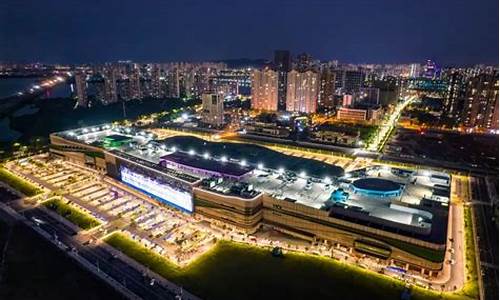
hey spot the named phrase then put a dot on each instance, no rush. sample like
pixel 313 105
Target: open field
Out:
pixel 18 184
pixel 73 215
pixel 238 271
pixel 366 131
pixel 460 149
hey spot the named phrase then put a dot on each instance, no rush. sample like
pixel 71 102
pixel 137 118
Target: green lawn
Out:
pixel 18 183
pixel 367 132
pixel 430 254
pixel 73 215
pixel 471 288
pixel 238 271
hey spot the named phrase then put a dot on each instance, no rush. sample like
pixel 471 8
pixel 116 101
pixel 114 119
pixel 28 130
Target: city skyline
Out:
pixel 398 32
pixel 265 149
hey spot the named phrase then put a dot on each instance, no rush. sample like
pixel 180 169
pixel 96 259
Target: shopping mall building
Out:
pixel 399 216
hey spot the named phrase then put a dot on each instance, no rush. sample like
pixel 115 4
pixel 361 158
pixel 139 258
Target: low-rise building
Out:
pixel 335 135
pixel 359 113
pixel 268 129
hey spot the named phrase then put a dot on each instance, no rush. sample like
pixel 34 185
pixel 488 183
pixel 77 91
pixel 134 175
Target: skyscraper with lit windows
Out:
pixel 282 67
pixel 135 89
pixel 326 89
pixel 81 89
pixel 212 109
pixel 302 91
pixel 481 102
pixel 110 91
pixel 265 90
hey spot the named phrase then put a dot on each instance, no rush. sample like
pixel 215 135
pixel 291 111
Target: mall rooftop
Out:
pixel 401 200
pixel 206 165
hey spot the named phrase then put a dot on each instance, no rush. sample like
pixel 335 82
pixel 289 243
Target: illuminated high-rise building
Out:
pixel 302 91
pixel 135 91
pixel 481 102
pixel 353 80
pixel 81 89
pixel 212 109
pixel 348 80
pixel 265 90
pixel 415 70
pixel 304 62
pixel 454 99
pixel 189 84
pixel 234 82
pixel 156 82
pixel 431 70
pixel 326 89
pixel 282 66
pixel 110 91
pixel 173 89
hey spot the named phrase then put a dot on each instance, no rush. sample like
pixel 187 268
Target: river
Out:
pixel 11 86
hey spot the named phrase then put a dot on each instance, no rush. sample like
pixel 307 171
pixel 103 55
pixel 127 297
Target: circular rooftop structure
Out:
pixel 377 187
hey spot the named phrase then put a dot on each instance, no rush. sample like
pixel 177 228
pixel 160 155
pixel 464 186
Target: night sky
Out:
pixel 373 31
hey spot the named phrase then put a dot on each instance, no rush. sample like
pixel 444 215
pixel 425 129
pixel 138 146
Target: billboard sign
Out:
pixel 161 191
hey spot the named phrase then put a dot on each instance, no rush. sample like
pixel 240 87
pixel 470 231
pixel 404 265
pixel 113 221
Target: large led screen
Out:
pixel 161 191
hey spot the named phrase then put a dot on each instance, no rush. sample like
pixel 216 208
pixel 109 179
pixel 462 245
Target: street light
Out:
pixel 223 159
pixel 281 170
pixel 206 155
pixel 260 166
pixel 243 163
pixel 191 152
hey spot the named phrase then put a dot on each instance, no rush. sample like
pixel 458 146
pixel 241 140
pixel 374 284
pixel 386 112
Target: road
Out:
pixel 389 124
pixel 122 272
pixel 487 237
pixel 130 275
pixel 450 165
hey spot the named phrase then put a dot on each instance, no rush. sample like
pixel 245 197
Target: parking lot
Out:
pixel 168 232
pixel 291 188
pixel 474 151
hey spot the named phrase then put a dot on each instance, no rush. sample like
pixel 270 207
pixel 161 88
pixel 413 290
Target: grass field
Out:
pixel 367 132
pixel 35 269
pixel 18 183
pixel 471 288
pixel 238 271
pixel 73 215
